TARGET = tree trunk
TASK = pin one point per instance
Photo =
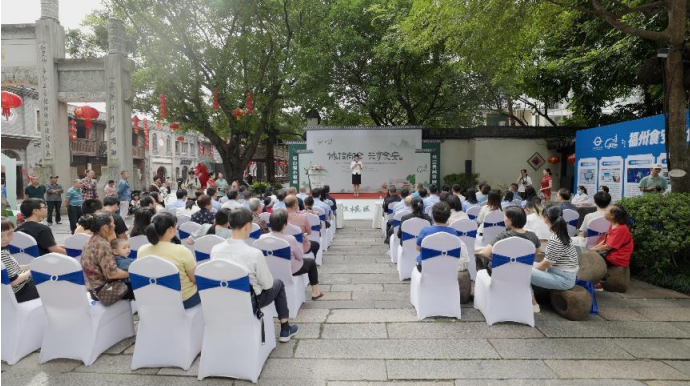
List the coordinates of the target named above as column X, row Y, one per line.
column 679, row 153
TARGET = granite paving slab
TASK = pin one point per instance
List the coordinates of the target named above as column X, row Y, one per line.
column 480, row 369
column 354, row 331
column 621, row 313
column 397, row 349
column 668, row 314
column 618, row 329
column 325, row 369
column 682, row 366
column 559, row 349
column 30, row 363
column 656, row 348
column 638, row 369
column 548, row 382
column 372, row 316
column 114, row 364
column 460, row 330
column 42, row 378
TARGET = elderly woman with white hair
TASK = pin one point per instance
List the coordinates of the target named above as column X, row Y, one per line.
column 256, row 207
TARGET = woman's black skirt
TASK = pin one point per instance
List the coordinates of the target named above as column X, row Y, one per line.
column 356, row 179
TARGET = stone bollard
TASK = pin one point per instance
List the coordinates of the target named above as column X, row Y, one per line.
column 592, row 267
column 617, row 280
column 573, row 304
column 465, row 283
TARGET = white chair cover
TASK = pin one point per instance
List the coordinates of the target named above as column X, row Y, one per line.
column 505, row 296
column 183, row 218
column 296, row 231
column 75, row 243
column 254, row 234
column 23, row 324
column 233, row 335
column 23, row 248
column 467, row 229
column 473, row 212
column 77, row 327
column 186, row 229
column 429, row 210
column 315, row 235
column 135, row 243
column 493, row 225
column 167, row 335
column 203, row 246
column 407, row 255
column 596, row 228
column 331, row 230
column 389, row 211
column 277, row 252
column 435, row 291
column 325, row 242
column 571, row 217
column 394, row 242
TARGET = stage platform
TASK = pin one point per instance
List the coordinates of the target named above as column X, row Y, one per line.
column 362, row 196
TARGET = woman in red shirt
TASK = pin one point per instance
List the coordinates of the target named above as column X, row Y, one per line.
column 616, row 246
column 546, row 185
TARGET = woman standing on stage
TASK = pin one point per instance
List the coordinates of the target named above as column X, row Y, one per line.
column 356, row 168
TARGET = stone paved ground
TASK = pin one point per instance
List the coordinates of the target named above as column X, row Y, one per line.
column 365, row 333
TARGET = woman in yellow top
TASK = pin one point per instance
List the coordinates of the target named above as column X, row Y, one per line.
column 160, row 232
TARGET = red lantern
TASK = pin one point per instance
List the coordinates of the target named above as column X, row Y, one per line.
column 87, row 113
column 135, row 124
column 201, row 148
column 238, row 113
column 163, row 106
column 215, row 100
column 554, row 160
column 571, row 158
column 9, row 101
column 72, row 130
column 249, row 104
column 174, row 126
column 180, row 139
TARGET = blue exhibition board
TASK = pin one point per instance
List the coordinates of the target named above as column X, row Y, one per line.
column 620, row 155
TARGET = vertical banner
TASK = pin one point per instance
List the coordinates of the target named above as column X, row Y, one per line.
column 293, row 162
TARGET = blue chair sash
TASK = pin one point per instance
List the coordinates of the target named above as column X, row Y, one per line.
column 428, row 253
column 204, row 283
column 32, row 250
column 592, row 233
column 170, row 281
column 471, row 216
column 494, row 224
column 407, row 236
column 183, row 234
column 389, row 211
column 573, row 223
column 268, row 225
column 590, row 288
column 322, row 217
column 201, row 256
column 472, row 234
column 299, row 237
column 316, row 228
column 256, row 234
column 132, row 254
column 76, row 277
column 396, row 223
column 4, row 278
column 282, row 253
column 72, row 252
column 498, row 260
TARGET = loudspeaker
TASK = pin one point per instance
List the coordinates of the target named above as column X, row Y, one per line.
column 468, row 168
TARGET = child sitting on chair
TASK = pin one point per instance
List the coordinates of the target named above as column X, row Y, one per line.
column 135, row 203
column 121, row 251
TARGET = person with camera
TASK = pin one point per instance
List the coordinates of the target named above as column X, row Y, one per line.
column 654, row 183
column 523, row 182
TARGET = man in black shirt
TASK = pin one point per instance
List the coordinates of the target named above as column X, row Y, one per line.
column 111, row 204
column 34, row 211
column 36, row 189
column 392, row 197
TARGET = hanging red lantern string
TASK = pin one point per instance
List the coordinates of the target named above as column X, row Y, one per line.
column 135, row 124
column 554, row 160
column 238, row 113
column 87, row 113
column 215, row 100
column 571, row 158
column 201, row 148
column 174, row 126
column 163, row 106
column 249, row 104
column 180, row 139
column 9, row 101
column 72, row 130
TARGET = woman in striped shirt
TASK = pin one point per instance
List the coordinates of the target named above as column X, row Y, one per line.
column 559, row 268
column 19, row 275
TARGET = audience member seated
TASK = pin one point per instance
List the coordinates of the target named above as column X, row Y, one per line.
column 220, row 227
column 215, row 204
column 604, row 188
column 300, row 203
column 34, row 211
column 391, row 198
column 181, row 201
column 581, row 198
column 156, row 197
column 457, row 191
column 256, row 208
column 417, row 206
column 318, row 202
column 456, row 212
column 493, row 202
column 559, row 268
column 142, row 219
column 483, row 195
column 241, row 194
column 441, row 213
column 267, row 205
column 20, row 275
column 232, row 201
column 112, row 204
column 529, row 195
column 419, row 186
column 160, row 234
column 515, row 220
column 300, row 220
column 300, row 264
column 616, row 246
column 535, row 221
column 265, row 288
column 564, row 200
column 433, row 198
column 510, row 200
column 470, row 200
column 90, row 206
column 204, row 215
column 327, row 193
column 247, row 197
column 602, row 200
column 280, row 195
column 98, row 261
column 422, row 193
column 516, row 194
column 400, row 205
column 121, row 250
column 135, row 203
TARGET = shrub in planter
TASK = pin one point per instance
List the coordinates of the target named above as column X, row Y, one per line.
column 660, row 226
column 462, row 180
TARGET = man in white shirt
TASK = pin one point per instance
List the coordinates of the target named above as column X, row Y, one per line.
column 232, row 201
column 265, row 288
column 302, row 193
column 316, row 194
column 523, row 182
column 181, row 201
column 433, row 197
column 602, row 201
column 402, row 204
column 280, row 195
column 457, row 191
column 215, row 204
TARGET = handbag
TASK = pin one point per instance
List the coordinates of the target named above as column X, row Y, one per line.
column 112, row 291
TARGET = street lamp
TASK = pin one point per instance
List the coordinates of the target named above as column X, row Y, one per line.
column 663, row 55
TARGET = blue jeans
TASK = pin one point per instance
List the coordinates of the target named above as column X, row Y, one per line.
column 553, row 278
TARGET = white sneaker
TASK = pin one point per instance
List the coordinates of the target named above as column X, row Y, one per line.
column 535, row 308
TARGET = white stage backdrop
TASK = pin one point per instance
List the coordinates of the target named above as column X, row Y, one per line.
column 388, row 156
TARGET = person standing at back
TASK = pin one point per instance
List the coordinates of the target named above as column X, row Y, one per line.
column 54, row 200
column 36, row 189
column 89, row 188
column 654, row 183
column 523, row 182
column 74, row 200
column 124, row 192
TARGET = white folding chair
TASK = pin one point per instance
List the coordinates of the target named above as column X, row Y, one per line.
column 505, row 296
column 467, row 230
column 233, row 344
column 407, row 254
column 390, row 213
column 296, row 232
column 167, row 335
column 75, row 244
column 473, row 212
column 203, row 246
column 135, row 243
column 571, row 217
column 596, row 228
column 322, row 218
column 315, row 235
column 77, row 327
column 278, row 256
column 23, row 248
column 253, row 235
column 429, row 210
column 186, row 229
column 493, row 226
column 266, row 217
column 435, row 290
column 394, row 242
column 331, row 230
column 23, row 324
column 183, row 218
